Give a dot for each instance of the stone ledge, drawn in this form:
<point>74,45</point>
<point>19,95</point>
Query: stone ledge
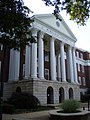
<point>82,112</point>
<point>82,115</point>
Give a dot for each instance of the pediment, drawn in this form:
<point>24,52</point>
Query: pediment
<point>60,26</point>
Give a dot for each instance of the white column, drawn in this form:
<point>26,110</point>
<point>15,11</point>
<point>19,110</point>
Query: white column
<point>68,70</point>
<point>52,59</point>
<point>74,66</point>
<point>63,72</point>
<point>27,62</point>
<point>14,65</point>
<point>58,67</point>
<point>70,63</point>
<point>41,56</point>
<point>34,56</point>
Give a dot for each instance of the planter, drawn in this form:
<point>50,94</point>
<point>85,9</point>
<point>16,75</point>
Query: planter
<point>57,115</point>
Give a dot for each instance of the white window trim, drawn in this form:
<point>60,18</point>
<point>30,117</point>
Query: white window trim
<point>82,68</point>
<point>79,80</point>
<point>79,67</point>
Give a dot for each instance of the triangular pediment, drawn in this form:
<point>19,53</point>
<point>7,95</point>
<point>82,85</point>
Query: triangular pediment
<point>56,24</point>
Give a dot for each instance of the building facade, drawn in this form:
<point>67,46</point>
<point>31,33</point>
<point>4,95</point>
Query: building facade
<point>83,69</point>
<point>51,69</point>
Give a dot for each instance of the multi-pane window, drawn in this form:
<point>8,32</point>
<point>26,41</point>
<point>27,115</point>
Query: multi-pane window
<point>46,74</point>
<point>77,53</point>
<point>82,68</point>
<point>79,80</point>
<point>79,67</point>
<point>84,82</point>
<point>46,56</point>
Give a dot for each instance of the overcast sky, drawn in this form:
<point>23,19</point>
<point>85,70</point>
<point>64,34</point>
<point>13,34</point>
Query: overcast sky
<point>82,33</point>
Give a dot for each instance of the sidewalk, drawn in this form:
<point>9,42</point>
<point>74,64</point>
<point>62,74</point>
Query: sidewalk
<point>43,115</point>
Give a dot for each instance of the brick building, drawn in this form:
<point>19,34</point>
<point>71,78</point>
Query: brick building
<point>52,69</point>
<point>83,69</point>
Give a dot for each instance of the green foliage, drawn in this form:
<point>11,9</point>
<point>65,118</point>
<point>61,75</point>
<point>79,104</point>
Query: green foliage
<point>23,100</point>
<point>14,24</point>
<point>79,10</point>
<point>7,108</point>
<point>88,91</point>
<point>70,106</point>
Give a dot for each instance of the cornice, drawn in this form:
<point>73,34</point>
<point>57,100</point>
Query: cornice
<point>40,16</point>
<point>52,32</point>
<point>83,62</point>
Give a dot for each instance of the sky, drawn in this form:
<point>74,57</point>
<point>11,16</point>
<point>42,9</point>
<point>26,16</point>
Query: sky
<point>80,32</point>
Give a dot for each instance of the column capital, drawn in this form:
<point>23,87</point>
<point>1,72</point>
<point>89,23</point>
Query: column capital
<point>73,49</point>
<point>41,34</point>
<point>34,31</point>
<point>52,38</point>
<point>61,42</point>
<point>69,47</point>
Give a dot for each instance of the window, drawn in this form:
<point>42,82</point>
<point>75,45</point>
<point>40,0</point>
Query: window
<point>84,82</point>
<point>81,55</point>
<point>82,68</point>
<point>46,56</point>
<point>46,74</point>
<point>80,80</point>
<point>77,53</point>
<point>79,67</point>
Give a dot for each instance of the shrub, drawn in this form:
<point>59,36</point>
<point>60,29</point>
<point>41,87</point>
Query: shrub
<point>7,108</point>
<point>70,106</point>
<point>23,100</point>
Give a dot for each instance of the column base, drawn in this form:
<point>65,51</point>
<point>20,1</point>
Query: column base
<point>41,78</point>
<point>77,82</point>
<point>27,77</point>
<point>34,77</point>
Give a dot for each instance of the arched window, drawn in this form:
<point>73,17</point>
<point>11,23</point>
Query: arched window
<point>70,93</point>
<point>18,89</point>
<point>61,95</point>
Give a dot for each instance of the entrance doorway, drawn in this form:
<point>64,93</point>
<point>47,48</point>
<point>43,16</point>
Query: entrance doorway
<point>50,96</point>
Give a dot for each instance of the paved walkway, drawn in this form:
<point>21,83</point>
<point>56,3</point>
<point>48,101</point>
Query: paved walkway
<point>43,115</point>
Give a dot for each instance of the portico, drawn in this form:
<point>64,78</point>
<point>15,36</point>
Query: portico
<point>56,39</point>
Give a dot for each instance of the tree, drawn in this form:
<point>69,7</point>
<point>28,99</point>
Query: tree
<point>79,10</point>
<point>14,30</point>
<point>14,24</point>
